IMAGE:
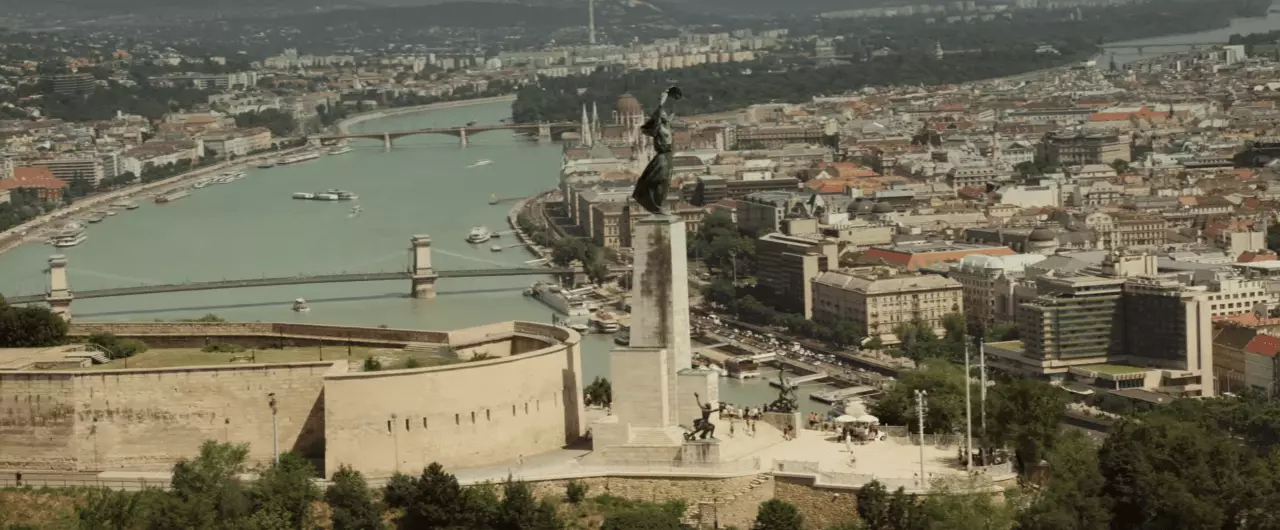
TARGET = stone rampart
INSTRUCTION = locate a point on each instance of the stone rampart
(146, 419)
(257, 334)
(463, 415)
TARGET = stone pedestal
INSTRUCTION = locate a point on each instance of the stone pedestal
(653, 380)
(706, 384)
(700, 452)
(660, 294)
(642, 397)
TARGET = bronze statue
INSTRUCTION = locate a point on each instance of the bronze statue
(703, 426)
(786, 402)
(651, 188)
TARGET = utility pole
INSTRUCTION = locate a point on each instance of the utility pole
(920, 395)
(968, 412)
(275, 428)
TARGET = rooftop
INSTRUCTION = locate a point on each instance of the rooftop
(1114, 369)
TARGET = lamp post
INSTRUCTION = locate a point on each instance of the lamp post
(275, 428)
(920, 395)
(968, 412)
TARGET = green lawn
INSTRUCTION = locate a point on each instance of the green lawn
(1114, 369)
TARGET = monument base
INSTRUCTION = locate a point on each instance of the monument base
(700, 452)
(704, 383)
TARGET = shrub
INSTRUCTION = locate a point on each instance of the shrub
(372, 365)
(413, 362)
(575, 491)
(115, 347)
(222, 347)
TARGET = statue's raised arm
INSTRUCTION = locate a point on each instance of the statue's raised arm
(651, 188)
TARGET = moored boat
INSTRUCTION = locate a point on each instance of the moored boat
(69, 241)
(170, 197)
(605, 322)
(479, 234)
(300, 305)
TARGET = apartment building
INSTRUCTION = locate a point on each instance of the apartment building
(1136, 230)
(877, 300)
(611, 225)
(786, 266)
(980, 279)
(239, 142)
(69, 168)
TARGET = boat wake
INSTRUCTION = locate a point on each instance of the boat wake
(109, 276)
(466, 257)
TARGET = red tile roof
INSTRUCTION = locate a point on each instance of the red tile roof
(31, 177)
(1263, 345)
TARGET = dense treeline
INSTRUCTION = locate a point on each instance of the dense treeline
(30, 327)
(720, 87)
(981, 50)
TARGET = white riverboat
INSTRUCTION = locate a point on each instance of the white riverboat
(300, 305)
(480, 163)
(564, 301)
(605, 322)
(69, 241)
(479, 234)
(341, 150)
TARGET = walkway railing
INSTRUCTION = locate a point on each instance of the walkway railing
(982, 477)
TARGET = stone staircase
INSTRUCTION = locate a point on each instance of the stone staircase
(423, 347)
(736, 510)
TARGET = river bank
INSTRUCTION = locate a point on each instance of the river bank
(34, 230)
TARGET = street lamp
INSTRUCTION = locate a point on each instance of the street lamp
(920, 396)
(275, 427)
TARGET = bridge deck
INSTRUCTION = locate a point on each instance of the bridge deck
(291, 280)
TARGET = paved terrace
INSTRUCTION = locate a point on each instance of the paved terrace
(811, 455)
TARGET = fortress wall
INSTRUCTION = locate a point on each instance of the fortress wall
(464, 415)
(256, 334)
(37, 420)
(147, 419)
(144, 420)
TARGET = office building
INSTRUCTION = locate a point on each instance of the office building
(986, 297)
(70, 168)
(786, 265)
(73, 83)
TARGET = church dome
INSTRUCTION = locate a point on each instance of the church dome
(882, 207)
(628, 105)
(1042, 234)
(861, 207)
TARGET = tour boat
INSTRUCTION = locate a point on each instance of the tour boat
(266, 165)
(69, 241)
(304, 196)
(742, 368)
(341, 150)
(480, 163)
(300, 305)
(170, 197)
(96, 217)
(326, 197)
(343, 195)
(561, 300)
(605, 322)
(299, 158)
(132, 206)
(479, 234)
(496, 248)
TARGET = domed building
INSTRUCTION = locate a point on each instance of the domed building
(1042, 241)
(882, 208)
(627, 111)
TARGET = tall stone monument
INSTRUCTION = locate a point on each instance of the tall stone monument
(653, 379)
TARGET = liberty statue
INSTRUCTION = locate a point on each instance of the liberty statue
(651, 188)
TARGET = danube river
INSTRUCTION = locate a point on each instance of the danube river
(1239, 26)
(252, 228)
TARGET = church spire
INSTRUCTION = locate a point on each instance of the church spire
(595, 120)
(586, 127)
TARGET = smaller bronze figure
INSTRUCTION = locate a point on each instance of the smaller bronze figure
(703, 425)
(786, 402)
(651, 187)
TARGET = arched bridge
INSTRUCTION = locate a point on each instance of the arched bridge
(292, 280)
(421, 275)
(1163, 45)
(543, 131)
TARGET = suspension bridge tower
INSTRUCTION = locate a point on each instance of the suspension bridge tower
(424, 275)
(59, 295)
